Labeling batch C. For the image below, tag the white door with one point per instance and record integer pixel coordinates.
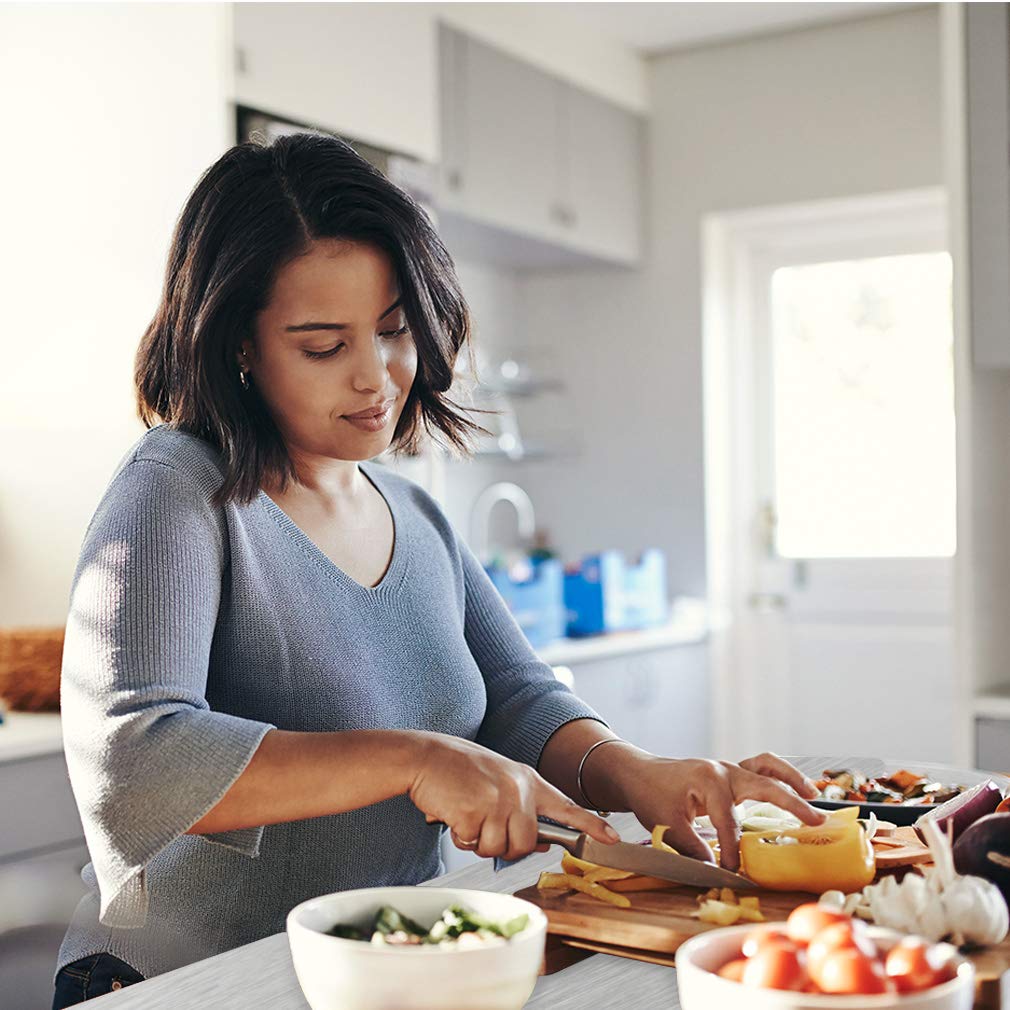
(830, 430)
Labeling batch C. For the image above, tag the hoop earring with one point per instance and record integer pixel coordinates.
(242, 378)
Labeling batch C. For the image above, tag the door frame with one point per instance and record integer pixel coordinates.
(736, 248)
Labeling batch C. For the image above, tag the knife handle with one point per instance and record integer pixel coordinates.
(554, 835)
(548, 834)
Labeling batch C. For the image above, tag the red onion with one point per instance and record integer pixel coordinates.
(964, 809)
(983, 850)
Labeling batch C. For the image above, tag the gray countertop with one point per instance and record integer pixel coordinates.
(260, 976)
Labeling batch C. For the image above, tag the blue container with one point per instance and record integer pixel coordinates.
(607, 594)
(537, 602)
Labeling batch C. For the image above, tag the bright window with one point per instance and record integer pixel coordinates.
(863, 406)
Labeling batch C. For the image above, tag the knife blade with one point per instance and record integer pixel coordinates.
(643, 859)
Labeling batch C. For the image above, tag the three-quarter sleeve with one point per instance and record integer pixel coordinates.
(526, 703)
(147, 757)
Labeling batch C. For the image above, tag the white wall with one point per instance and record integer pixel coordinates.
(830, 111)
(106, 130)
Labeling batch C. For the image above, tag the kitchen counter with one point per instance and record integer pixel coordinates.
(688, 625)
(30, 734)
(260, 974)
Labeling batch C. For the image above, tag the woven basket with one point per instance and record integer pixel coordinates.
(30, 661)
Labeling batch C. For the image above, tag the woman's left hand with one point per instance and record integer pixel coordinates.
(676, 790)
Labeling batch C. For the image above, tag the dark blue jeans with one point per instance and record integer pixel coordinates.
(92, 976)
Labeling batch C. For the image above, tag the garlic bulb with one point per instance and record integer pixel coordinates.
(942, 903)
(975, 910)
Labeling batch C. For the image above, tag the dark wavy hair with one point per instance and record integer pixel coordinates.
(258, 207)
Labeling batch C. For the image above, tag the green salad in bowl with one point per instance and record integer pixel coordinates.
(417, 947)
(456, 927)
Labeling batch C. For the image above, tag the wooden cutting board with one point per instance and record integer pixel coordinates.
(657, 921)
(660, 921)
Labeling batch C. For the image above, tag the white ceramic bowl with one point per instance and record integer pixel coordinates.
(701, 989)
(338, 974)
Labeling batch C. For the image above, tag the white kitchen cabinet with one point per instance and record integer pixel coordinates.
(42, 853)
(366, 71)
(987, 85)
(527, 156)
(499, 165)
(39, 811)
(601, 176)
(657, 699)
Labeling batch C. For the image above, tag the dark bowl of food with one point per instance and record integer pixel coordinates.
(900, 795)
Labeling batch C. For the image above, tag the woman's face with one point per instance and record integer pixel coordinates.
(333, 342)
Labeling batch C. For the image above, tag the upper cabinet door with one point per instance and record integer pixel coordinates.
(550, 173)
(602, 156)
(507, 141)
(365, 71)
(452, 105)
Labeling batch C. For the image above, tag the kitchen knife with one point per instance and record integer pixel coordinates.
(643, 859)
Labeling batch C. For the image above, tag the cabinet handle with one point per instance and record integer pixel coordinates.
(570, 217)
(454, 179)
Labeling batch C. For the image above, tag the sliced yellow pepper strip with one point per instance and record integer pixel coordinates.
(570, 864)
(617, 880)
(657, 838)
(567, 881)
(723, 913)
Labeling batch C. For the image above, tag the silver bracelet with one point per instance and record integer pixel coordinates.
(578, 775)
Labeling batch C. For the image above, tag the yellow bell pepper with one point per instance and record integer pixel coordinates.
(837, 856)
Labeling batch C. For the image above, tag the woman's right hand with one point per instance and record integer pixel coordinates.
(491, 800)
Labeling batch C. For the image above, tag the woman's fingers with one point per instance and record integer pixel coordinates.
(682, 836)
(779, 768)
(493, 837)
(554, 804)
(522, 834)
(749, 785)
(719, 804)
(467, 835)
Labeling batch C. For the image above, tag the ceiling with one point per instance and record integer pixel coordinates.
(657, 27)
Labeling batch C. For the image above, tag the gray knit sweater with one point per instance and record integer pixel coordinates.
(194, 630)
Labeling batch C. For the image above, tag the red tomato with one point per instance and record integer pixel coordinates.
(915, 964)
(733, 970)
(849, 970)
(806, 921)
(776, 966)
(839, 936)
(760, 935)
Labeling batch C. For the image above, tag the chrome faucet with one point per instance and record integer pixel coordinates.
(480, 514)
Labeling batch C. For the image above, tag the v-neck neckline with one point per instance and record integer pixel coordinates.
(396, 568)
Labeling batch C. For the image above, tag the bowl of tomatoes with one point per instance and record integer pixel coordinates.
(820, 959)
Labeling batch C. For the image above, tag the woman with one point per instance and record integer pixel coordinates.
(282, 666)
